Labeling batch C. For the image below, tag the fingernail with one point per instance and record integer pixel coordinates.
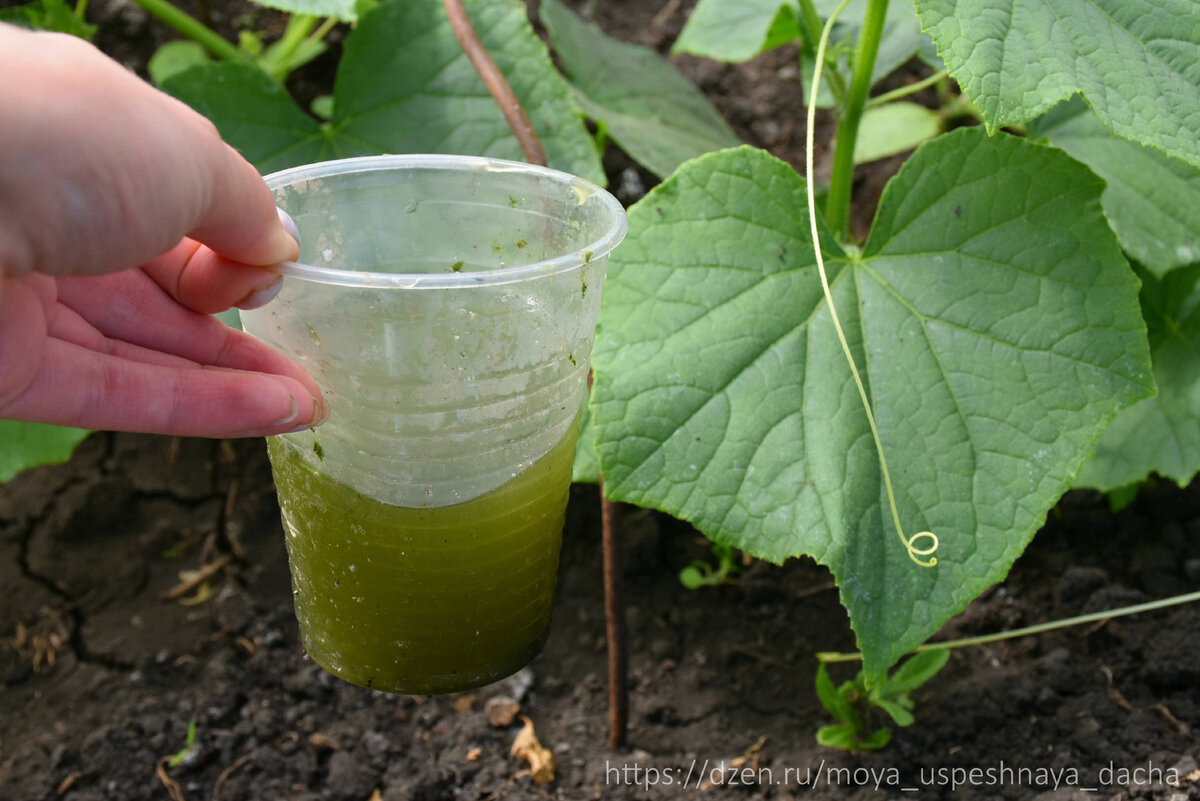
(320, 415)
(289, 224)
(261, 297)
(290, 417)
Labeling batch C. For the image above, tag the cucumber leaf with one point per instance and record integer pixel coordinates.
(1159, 435)
(648, 107)
(894, 128)
(738, 30)
(175, 57)
(916, 670)
(403, 86)
(345, 10)
(722, 395)
(1135, 62)
(1152, 201)
(586, 469)
(26, 445)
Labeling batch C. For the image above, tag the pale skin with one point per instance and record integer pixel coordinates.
(125, 222)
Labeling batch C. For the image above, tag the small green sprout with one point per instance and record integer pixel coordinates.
(853, 704)
(701, 574)
(187, 749)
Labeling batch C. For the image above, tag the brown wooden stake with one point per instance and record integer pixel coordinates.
(614, 615)
(494, 80)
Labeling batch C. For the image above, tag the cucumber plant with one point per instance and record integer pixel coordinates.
(854, 704)
(992, 318)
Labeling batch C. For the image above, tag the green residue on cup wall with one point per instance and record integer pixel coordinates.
(456, 267)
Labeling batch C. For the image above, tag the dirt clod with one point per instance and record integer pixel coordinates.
(501, 711)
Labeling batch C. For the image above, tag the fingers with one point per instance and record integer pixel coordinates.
(207, 282)
(22, 328)
(240, 221)
(131, 307)
(148, 171)
(119, 394)
(65, 324)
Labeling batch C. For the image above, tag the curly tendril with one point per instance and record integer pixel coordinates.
(915, 552)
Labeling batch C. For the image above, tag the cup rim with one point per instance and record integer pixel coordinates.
(595, 250)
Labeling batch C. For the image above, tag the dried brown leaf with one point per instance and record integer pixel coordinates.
(527, 747)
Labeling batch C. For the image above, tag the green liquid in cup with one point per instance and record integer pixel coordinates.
(423, 601)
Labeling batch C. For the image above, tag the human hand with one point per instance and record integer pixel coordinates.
(125, 222)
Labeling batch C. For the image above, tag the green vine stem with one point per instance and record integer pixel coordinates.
(296, 45)
(193, 29)
(837, 207)
(905, 91)
(298, 28)
(320, 33)
(1094, 617)
(81, 8)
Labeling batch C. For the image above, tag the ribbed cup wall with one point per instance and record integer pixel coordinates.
(449, 322)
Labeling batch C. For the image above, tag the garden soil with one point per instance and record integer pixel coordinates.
(112, 645)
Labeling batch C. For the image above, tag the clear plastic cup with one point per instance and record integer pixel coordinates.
(446, 306)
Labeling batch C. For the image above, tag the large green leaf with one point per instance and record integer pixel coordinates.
(655, 114)
(26, 445)
(738, 30)
(1159, 435)
(1152, 201)
(893, 128)
(993, 317)
(586, 469)
(403, 86)
(345, 10)
(256, 115)
(1135, 61)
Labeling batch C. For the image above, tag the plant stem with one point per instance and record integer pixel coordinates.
(193, 29)
(81, 8)
(905, 91)
(837, 207)
(1175, 600)
(494, 79)
(298, 27)
(320, 33)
